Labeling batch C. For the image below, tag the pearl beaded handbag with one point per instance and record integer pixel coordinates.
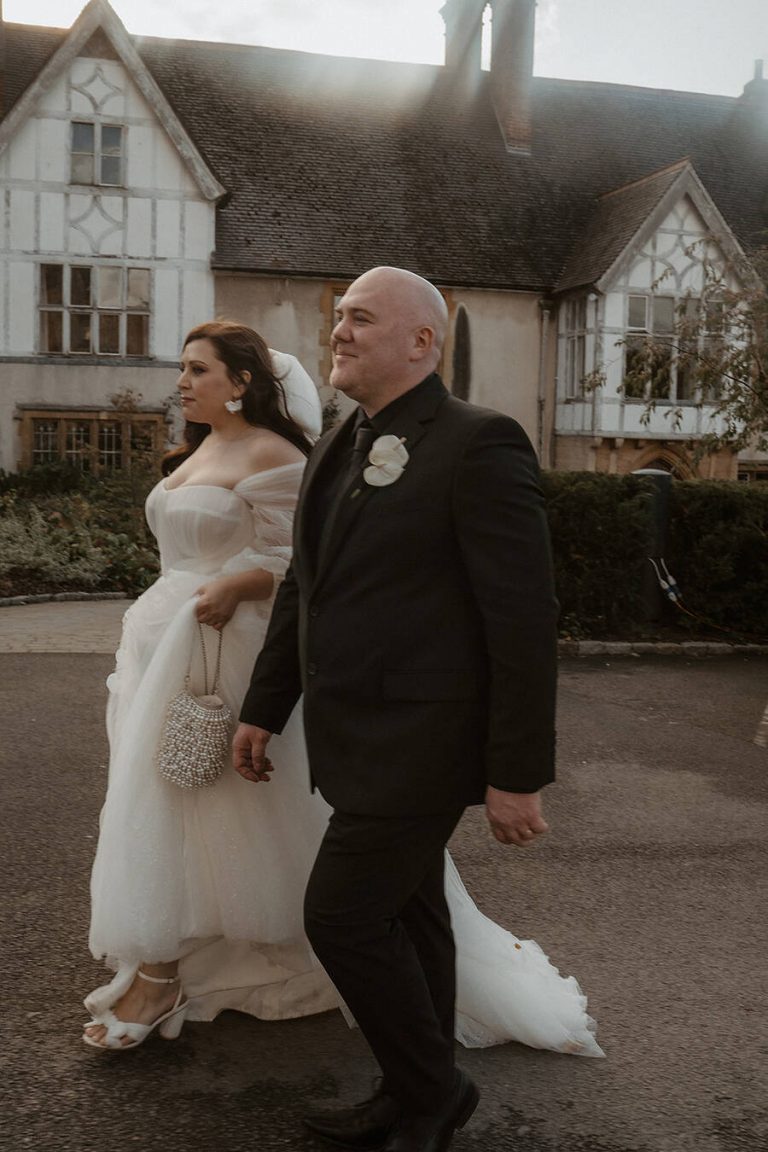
(195, 740)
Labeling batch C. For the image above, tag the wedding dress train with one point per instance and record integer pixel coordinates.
(215, 876)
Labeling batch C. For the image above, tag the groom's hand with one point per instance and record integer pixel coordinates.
(514, 817)
(249, 746)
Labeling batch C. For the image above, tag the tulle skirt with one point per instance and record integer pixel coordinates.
(212, 875)
(215, 876)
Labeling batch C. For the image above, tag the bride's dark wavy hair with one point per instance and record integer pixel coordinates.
(241, 350)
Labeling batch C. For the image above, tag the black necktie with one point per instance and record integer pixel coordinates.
(365, 435)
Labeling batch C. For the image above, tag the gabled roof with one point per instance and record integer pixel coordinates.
(623, 220)
(333, 164)
(50, 58)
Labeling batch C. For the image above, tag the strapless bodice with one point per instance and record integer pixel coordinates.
(199, 527)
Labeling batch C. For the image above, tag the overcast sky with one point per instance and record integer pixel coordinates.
(697, 45)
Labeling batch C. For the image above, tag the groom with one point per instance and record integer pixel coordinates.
(418, 620)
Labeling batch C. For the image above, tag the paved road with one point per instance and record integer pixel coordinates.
(68, 626)
(651, 889)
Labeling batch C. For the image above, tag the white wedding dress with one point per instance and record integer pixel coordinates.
(216, 875)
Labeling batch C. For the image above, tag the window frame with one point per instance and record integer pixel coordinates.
(635, 336)
(575, 333)
(70, 309)
(93, 452)
(98, 154)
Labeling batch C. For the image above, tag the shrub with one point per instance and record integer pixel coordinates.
(33, 546)
(62, 530)
(600, 529)
(718, 553)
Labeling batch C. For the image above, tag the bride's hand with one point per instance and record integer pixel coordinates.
(216, 603)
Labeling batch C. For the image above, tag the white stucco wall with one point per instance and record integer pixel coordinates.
(160, 219)
(66, 386)
(670, 263)
(296, 316)
(290, 314)
(157, 219)
(505, 340)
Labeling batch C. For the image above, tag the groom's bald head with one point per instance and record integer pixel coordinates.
(390, 329)
(418, 301)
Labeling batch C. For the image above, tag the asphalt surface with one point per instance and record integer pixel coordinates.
(652, 889)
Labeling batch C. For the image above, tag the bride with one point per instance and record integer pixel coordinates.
(197, 893)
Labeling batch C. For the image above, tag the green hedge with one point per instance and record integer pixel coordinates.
(600, 529)
(61, 530)
(718, 553)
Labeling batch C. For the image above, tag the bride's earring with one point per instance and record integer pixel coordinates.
(233, 406)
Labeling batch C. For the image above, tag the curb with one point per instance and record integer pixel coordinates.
(61, 597)
(690, 649)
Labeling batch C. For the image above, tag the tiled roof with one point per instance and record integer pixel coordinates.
(615, 220)
(26, 51)
(334, 164)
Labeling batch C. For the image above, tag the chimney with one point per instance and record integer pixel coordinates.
(752, 107)
(513, 30)
(755, 92)
(2, 63)
(463, 38)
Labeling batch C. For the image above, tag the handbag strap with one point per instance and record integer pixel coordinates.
(217, 669)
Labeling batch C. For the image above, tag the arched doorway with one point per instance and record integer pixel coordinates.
(667, 460)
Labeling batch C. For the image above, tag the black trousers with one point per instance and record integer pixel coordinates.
(376, 916)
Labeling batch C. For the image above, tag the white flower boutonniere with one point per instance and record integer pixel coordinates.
(388, 457)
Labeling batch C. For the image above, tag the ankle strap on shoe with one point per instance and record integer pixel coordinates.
(155, 979)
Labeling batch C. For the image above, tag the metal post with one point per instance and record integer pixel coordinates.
(653, 598)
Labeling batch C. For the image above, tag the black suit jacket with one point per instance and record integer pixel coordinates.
(422, 629)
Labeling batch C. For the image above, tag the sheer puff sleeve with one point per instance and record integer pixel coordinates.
(271, 497)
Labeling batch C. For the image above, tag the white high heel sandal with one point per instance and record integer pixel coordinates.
(168, 1025)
